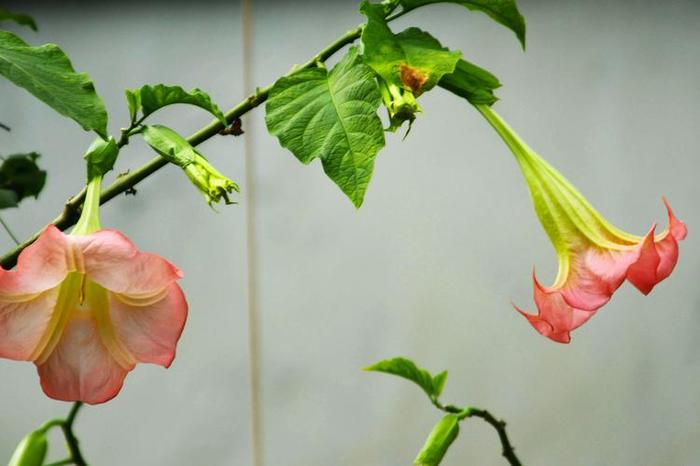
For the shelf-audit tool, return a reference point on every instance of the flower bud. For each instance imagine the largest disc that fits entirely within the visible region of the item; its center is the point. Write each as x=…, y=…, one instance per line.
x=439, y=440
x=175, y=149
x=31, y=451
x=209, y=181
x=400, y=103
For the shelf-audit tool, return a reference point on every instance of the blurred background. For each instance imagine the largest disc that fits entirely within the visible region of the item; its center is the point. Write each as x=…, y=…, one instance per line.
x=606, y=91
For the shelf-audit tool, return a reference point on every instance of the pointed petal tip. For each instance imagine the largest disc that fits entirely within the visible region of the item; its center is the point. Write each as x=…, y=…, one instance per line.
x=675, y=226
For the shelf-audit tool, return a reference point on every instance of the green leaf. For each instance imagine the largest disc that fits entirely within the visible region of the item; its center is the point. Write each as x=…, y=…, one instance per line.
x=438, y=442
x=19, y=18
x=439, y=383
x=47, y=73
x=331, y=116
x=101, y=156
x=412, y=59
x=403, y=367
x=20, y=177
x=471, y=82
x=150, y=98
x=504, y=12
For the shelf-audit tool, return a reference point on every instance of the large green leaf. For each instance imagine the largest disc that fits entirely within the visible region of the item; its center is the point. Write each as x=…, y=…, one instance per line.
x=504, y=12
x=412, y=59
x=150, y=98
x=471, y=82
x=331, y=116
x=19, y=18
x=20, y=177
x=47, y=73
x=407, y=369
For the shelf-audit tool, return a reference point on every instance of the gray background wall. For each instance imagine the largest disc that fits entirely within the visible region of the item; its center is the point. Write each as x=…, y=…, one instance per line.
x=607, y=91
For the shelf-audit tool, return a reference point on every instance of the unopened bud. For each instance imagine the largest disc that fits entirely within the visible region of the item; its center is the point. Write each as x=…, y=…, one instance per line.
x=444, y=433
x=31, y=451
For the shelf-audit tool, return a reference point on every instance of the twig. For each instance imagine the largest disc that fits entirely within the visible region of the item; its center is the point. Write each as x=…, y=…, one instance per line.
x=500, y=426
x=71, y=439
x=5, y=127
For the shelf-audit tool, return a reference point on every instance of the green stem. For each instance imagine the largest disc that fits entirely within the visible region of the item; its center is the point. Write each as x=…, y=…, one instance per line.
x=500, y=426
x=71, y=440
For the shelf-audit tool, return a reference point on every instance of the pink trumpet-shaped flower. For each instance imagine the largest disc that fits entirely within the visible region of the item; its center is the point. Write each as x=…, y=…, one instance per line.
x=595, y=257
x=87, y=307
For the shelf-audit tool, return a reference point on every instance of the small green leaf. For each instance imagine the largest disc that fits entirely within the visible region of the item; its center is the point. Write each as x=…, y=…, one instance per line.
x=471, y=82
x=133, y=99
x=504, y=12
x=20, y=177
x=438, y=442
x=101, y=156
x=412, y=59
x=31, y=451
x=19, y=18
x=439, y=383
x=403, y=367
x=47, y=73
x=331, y=116
x=150, y=98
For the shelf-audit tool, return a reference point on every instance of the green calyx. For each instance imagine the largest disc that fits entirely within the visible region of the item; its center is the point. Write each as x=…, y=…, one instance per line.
x=101, y=156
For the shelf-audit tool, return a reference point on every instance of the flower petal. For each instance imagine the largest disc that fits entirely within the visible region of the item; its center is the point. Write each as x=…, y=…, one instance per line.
x=113, y=261
x=642, y=273
x=150, y=332
x=81, y=368
x=40, y=266
x=23, y=323
x=595, y=275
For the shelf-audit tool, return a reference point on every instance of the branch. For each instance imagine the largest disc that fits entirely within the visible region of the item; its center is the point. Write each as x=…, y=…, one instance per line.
x=500, y=426
x=71, y=439
x=71, y=210
x=5, y=127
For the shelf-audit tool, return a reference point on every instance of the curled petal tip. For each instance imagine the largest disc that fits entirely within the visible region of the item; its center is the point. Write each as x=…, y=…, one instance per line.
x=677, y=228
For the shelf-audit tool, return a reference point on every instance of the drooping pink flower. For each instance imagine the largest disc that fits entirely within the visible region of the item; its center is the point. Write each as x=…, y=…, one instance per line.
x=87, y=307
x=595, y=257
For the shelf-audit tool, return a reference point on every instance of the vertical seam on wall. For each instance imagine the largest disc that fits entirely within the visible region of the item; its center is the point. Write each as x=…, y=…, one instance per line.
x=254, y=331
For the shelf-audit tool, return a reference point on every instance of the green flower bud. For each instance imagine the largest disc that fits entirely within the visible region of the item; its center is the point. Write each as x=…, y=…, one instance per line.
x=444, y=433
x=175, y=149
x=400, y=103
x=209, y=181
x=31, y=451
